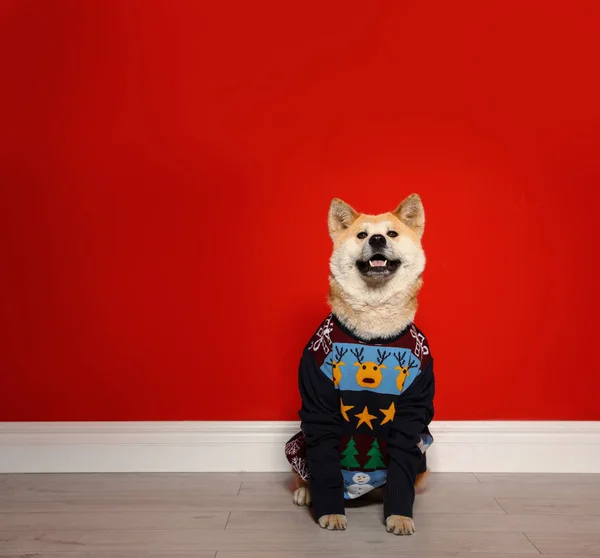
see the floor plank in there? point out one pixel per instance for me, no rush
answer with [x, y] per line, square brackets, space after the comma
[113, 554]
[561, 543]
[135, 479]
[200, 521]
[302, 520]
[379, 554]
[562, 506]
[39, 488]
[539, 478]
[448, 478]
[509, 523]
[253, 554]
[431, 502]
[319, 540]
[148, 502]
[507, 489]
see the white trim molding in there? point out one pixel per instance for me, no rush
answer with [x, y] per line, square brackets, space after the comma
[461, 446]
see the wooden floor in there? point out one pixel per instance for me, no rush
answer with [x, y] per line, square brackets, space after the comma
[252, 516]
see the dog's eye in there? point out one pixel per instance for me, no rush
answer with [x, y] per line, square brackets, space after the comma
[392, 234]
[362, 235]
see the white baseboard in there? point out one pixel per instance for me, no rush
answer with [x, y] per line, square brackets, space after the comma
[53, 447]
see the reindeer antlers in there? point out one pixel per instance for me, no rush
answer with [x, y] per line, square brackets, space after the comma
[339, 353]
[381, 356]
[358, 354]
[400, 358]
[412, 364]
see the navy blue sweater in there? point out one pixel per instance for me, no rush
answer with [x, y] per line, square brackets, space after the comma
[365, 411]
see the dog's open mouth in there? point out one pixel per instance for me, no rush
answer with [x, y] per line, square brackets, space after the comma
[378, 266]
[368, 381]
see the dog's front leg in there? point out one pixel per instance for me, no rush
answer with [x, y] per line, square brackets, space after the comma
[399, 493]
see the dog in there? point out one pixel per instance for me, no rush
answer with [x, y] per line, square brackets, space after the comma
[361, 415]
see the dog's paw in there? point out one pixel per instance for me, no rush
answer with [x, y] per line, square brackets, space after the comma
[400, 525]
[302, 496]
[333, 522]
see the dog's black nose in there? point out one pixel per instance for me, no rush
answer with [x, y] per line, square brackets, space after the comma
[377, 241]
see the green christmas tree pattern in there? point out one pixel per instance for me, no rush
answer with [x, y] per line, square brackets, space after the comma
[349, 455]
[376, 461]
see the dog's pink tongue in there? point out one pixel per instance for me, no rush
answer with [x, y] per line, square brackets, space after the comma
[377, 263]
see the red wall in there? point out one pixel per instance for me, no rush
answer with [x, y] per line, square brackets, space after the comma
[166, 169]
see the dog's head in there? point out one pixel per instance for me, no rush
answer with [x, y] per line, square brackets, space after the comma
[377, 252]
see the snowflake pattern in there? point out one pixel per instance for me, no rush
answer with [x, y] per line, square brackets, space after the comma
[323, 337]
[300, 465]
[420, 346]
[292, 447]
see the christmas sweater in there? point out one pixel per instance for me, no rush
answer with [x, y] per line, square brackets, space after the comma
[365, 411]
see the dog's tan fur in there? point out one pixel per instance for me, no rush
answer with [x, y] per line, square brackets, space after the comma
[378, 308]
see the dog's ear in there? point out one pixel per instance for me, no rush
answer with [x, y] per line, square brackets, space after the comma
[412, 213]
[341, 216]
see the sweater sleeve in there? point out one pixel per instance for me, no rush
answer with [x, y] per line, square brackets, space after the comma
[414, 412]
[322, 428]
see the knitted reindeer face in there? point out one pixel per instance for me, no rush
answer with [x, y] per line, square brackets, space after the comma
[369, 374]
[336, 365]
[404, 367]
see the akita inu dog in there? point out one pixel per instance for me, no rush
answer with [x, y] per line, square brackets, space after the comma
[366, 377]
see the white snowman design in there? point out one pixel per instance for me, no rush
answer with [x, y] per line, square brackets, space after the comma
[361, 485]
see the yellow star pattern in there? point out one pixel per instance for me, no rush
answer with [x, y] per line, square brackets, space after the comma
[388, 413]
[366, 418]
[345, 409]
